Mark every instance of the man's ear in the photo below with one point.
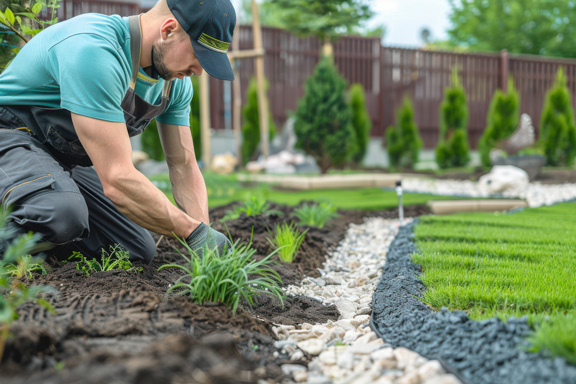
(168, 27)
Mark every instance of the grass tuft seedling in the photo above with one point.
(228, 278)
(117, 258)
(255, 205)
(315, 215)
(557, 337)
(25, 266)
(13, 292)
(287, 240)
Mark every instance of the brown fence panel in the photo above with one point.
(423, 75)
(71, 8)
(289, 61)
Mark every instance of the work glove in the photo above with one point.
(204, 236)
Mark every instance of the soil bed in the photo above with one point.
(120, 327)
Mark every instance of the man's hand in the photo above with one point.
(204, 236)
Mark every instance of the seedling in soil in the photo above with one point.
(24, 266)
(287, 241)
(255, 205)
(116, 259)
(228, 278)
(315, 215)
(13, 293)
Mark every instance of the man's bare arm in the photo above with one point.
(188, 184)
(108, 146)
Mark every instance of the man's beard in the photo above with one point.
(158, 64)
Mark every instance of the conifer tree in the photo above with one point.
(361, 123)
(502, 120)
(251, 127)
(323, 126)
(557, 128)
(453, 149)
(403, 141)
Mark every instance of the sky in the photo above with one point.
(404, 19)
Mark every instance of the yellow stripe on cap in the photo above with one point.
(213, 44)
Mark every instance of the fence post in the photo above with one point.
(504, 70)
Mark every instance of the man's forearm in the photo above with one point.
(137, 198)
(189, 191)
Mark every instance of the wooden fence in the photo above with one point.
(387, 74)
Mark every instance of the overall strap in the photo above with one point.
(135, 41)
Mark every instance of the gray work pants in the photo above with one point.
(65, 205)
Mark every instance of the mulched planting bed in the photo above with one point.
(119, 327)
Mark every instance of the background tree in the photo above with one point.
(403, 142)
(557, 128)
(325, 19)
(150, 139)
(361, 123)
(502, 121)
(453, 149)
(323, 127)
(251, 127)
(544, 27)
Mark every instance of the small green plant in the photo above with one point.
(453, 149)
(315, 215)
(557, 336)
(287, 240)
(24, 266)
(403, 141)
(361, 123)
(13, 292)
(228, 278)
(116, 258)
(557, 127)
(251, 127)
(255, 205)
(503, 117)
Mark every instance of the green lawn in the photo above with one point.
(503, 264)
(225, 189)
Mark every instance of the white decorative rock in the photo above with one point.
(311, 346)
(429, 369)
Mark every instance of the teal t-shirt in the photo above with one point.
(84, 65)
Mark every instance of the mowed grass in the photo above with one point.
(506, 265)
(226, 189)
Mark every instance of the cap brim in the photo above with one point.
(215, 63)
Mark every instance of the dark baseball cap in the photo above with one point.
(210, 24)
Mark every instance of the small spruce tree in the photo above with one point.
(251, 127)
(323, 126)
(150, 139)
(557, 128)
(502, 120)
(453, 149)
(403, 141)
(361, 123)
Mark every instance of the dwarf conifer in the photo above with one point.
(361, 123)
(403, 141)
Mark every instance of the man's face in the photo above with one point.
(174, 57)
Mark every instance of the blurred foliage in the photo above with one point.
(502, 120)
(542, 27)
(150, 139)
(323, 125)
(403, 141)
(453, 149)
(20, 20)
(251, 127)
(557, 127)
(320, 18)
(361, 123)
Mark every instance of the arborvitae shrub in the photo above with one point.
(453, 149)
(403, 141)
(251, 127)
(150, 139)
(502, 121)
(557, 128)
(323, 125)
(361, 123)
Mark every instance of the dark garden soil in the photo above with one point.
(120, 327)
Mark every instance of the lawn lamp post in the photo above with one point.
(400, 206)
